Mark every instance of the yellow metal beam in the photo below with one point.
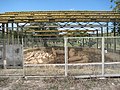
(61, 16)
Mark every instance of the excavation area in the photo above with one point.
(56, 55)
(50, 61)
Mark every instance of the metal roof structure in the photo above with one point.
(60, 16)
(45, 18)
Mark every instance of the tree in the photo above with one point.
(117, 5)
(117, 9)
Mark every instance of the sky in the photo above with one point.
(39, 5)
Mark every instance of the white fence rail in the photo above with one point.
(91, 57)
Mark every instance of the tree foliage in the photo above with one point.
(116, 3)
(116, 8)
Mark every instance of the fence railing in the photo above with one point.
(69, 56)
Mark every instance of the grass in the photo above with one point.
(60, 70)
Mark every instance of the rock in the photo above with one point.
(71, 52)
(74, 58)
(38, 57)
(60, 51)
(54, 52)
(85, 59)
(40, 61)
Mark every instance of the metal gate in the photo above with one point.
(11, 58)
(1, 55)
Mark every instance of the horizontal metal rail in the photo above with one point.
(60, 30)
(93, 37)
(97, 76)
(74, 26)
(77, 64)
(59, 35)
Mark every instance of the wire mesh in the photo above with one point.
(68, 56)
(11, 58)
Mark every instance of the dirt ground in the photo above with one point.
(68, 83)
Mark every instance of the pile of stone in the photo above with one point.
(77, 57)
(38, 57)
(57, 55)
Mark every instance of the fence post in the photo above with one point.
(4, 54)
(103, 55)
(23, 58)
(66, 55)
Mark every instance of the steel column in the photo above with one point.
(12, 32)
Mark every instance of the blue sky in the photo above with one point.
(29, 5)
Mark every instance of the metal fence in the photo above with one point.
(103, 57)
(11, 58)
(69, 56)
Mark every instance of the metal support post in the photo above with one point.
(18, 33)
(107, 30)
(7, 36)
(83, 42)
(114, 39)
(114, 29)
(97, 38)
(107, 36)
(3, 31)
(102, 31)
(12, 33)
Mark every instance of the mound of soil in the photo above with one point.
(57, 55)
